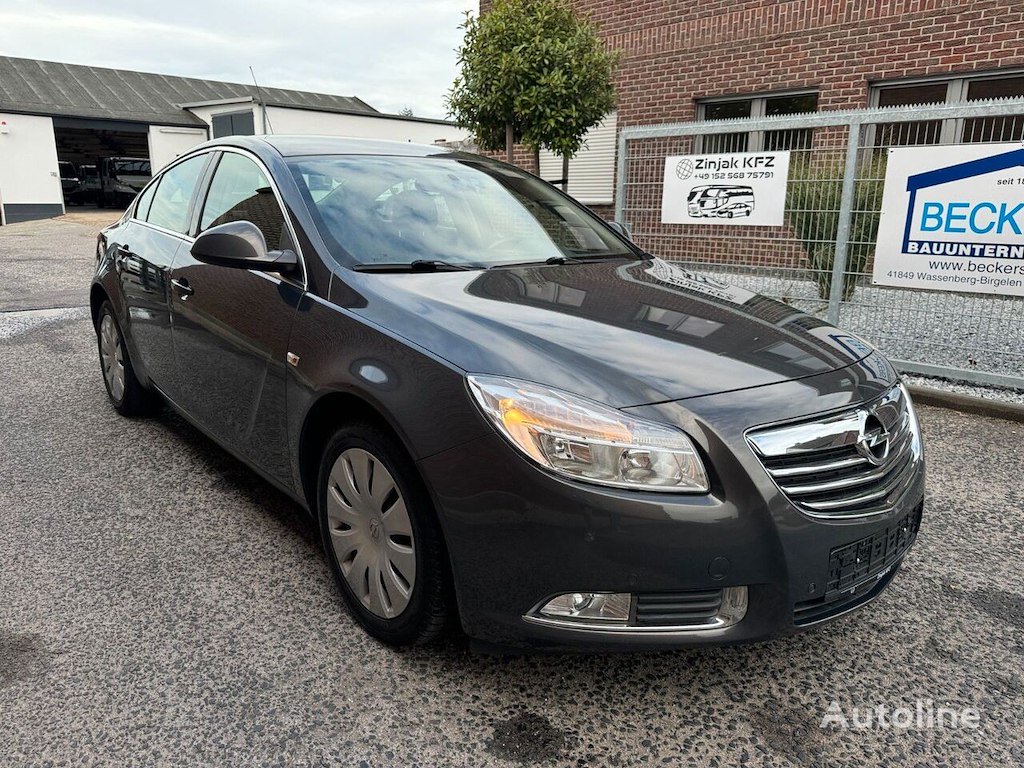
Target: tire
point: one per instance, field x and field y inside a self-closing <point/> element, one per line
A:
<point x="391" y="568"/>
<point x="124" y="389"/>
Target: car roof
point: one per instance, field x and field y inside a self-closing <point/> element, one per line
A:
<point x="297" y="145"/>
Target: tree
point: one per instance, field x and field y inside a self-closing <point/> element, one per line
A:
<point x="532" y="72"/>
<point x="405" y="111"/>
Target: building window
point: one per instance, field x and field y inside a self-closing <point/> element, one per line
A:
<point x="757" y="106"/>
<point x="234" y="124"/>
<point x="956" y="90"/>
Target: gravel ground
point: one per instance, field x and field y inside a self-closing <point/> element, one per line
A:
<point x="162" y="605"/>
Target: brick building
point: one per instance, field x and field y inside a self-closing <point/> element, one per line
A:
<point x="715" y="59"/>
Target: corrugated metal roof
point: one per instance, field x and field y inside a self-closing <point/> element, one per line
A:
<point x="74" y="90"/>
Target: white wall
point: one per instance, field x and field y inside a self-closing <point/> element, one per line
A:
<point x="28" y="161"/>
<point x="168" y="142"/>
<point x="592" y="171"/>
<point x="302" y="121"/>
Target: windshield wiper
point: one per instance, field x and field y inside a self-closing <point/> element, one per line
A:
<point x="418" y="265"/>
<point x="582" y="255"/>
<point x="582" y="258"/>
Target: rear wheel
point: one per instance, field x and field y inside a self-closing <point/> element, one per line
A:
<point x="126" y="392"/>
<point x="381" y="537"/>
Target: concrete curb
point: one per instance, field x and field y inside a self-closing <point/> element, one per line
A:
<point x="998" y="409"/>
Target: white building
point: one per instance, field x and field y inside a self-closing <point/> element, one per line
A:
<point x="51" y="112"/>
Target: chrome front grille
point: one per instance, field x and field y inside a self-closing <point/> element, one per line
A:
<point x="856" y="463"/>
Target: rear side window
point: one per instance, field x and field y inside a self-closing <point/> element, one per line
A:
<point x="240" y="191"/>
<point x="169" y="208"/>
<point x="145" y="199"/>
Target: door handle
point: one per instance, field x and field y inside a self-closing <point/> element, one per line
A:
<point x="121" y="254"/>
<point x="184" y="289"/>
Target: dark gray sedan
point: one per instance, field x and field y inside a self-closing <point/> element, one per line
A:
<point x="503" y="414"/>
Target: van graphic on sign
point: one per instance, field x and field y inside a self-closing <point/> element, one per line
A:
<point x="713" y="201"/>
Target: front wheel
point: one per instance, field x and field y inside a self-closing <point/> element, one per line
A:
<point x="381" y="537"/>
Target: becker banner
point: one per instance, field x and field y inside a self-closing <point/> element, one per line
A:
<point x="953" y="219"/>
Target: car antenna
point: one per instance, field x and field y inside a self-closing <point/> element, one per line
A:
<point x="263" y="105"/>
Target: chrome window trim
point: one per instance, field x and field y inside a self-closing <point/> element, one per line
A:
<point x="164" y="230"/>
<point x="189" y="238"/>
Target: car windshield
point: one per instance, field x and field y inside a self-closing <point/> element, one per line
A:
<point x="132" y="167"/>
<point x="456" y="209"/>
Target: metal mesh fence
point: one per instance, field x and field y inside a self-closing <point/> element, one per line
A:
<point x="967" y="336"/>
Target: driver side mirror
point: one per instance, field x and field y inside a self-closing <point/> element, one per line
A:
<point x="240" y="244"/>
<point x="622" y="229"/>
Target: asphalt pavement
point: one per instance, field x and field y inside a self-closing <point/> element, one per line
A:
<point x="160" y="604"/>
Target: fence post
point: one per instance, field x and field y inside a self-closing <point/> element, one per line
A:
<point x="835" y="295"/>
<point x="620" y="178"/>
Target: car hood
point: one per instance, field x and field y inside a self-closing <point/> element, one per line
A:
<point x="621" y="332"/>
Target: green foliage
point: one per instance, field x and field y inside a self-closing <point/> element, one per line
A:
<point x="534" y="65"/>
<point x="812" y="209"/>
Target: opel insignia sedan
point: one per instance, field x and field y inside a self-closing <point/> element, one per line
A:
<point x="503" y="414"/>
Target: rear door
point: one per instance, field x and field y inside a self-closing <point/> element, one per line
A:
<point x="145" y="247"/>
<point x="231" y="325"/>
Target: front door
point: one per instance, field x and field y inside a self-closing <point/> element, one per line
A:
<point x="231" y="326"/>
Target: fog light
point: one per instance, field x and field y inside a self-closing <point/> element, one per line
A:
<point x="734" y="605"/>
<point x="604" y="607"/>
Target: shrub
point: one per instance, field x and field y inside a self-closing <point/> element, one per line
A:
<point x="812" y="209"/>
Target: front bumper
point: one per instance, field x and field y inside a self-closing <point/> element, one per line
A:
<point x="518" y="536"/>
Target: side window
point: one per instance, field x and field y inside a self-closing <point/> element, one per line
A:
<point x="142" y="207"/>
<point x="169" y="208"/>
<point x="240" y="191"/>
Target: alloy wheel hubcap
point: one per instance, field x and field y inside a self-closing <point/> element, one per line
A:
<point x="371" y="533"/>
<point x="112" y="357"/>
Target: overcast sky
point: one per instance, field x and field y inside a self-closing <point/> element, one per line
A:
<point x="390" y="53"/>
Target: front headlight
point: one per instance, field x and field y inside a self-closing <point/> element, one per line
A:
<point x="589" y="441"/>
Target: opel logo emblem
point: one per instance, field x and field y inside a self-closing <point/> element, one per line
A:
<point x="873" y="441"/>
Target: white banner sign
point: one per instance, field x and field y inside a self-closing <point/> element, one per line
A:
<point x="742" y="188"/>
<point x="953" y="219"/>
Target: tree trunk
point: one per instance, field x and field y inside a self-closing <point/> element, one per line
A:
<point x="565" y="173"/>
<point x="536" y="160"/>
<point x="508" y="142"/>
